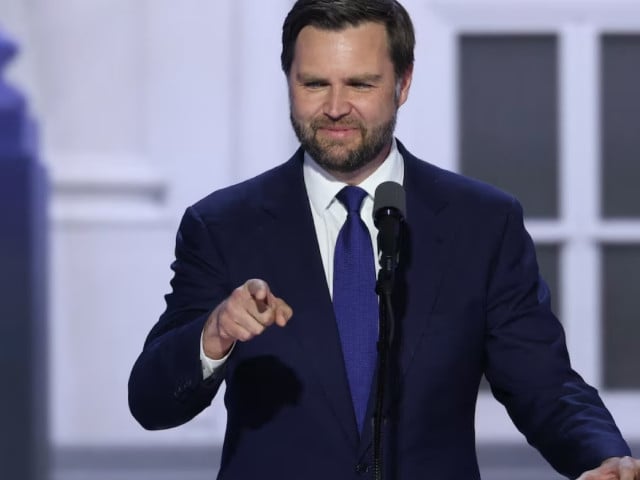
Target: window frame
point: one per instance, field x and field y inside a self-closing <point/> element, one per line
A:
<point x="580" y="230"/>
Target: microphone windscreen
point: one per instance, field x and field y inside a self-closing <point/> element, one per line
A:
<point x="390" y="195"/>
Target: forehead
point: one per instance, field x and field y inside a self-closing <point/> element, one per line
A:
<point x="364" y="44"/>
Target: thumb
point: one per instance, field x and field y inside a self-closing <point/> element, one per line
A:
<point x="258" y="289"/>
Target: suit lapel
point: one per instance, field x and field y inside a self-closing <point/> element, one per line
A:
<point x="427" y="243"/>
<point x="298" y="273"/>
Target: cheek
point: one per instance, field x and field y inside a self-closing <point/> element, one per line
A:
<point x="302" y="106"/>
<point x="374" y="114"/>
<point x="377" y="108"/>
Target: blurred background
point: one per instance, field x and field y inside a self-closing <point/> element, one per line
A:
<point x="135" y="110"/>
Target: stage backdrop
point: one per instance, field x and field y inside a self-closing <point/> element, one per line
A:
<point x="147" y="106"/>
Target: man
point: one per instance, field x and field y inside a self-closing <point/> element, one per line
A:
<point x="257" y="298"/>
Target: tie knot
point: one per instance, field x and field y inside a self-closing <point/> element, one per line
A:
<point x="351" y="197"/>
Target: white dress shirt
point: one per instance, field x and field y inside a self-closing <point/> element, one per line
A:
<point x="329" y="215"/>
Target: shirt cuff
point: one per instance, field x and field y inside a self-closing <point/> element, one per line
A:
<point x="209" y="365"/>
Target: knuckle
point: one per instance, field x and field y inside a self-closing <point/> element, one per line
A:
<point x="238" y="333"/>
<point x="224" y="332"/>
<point x="244" y="336"/>
<point x="224" y="318"/>
<point x="267" y="320"/>
<point x="239" y="294"/>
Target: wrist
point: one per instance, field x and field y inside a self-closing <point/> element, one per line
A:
<point x="216" y="348"/>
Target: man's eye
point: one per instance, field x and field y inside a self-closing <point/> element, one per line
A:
<point x="361" y="85"/>
<point x="314" y="84"/>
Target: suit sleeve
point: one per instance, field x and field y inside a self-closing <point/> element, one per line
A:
<point x="528" y="365"/>
<point x="166" y="386"/>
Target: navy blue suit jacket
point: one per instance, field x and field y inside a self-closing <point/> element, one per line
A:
<point x="469" y="301"/>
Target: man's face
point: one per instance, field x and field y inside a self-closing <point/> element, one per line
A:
<point x="344" y="97"/>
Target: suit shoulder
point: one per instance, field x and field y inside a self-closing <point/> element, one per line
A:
<point x="453" y="188"/>
<point x="472" y="190"/>
<point x="240" y="198"/>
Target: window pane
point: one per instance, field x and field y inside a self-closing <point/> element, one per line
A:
<point x="508" y="116"/>
<point x="620" y="315"/>
<point x="621" y="125"/>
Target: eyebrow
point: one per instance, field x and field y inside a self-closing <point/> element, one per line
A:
<point x="364" y="78"/>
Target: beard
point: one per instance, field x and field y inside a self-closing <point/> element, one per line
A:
<point x="333" y="155"/>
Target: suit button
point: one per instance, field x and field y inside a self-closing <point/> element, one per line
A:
<point x="362" y="468"/>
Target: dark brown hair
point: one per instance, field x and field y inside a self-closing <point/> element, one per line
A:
<point x="339" y="14"/>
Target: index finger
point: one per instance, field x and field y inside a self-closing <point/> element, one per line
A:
<point x="283" y="312"/>
<point x="628" y="469"/>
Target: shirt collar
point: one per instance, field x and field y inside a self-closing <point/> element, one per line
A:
<point x="322" y="187"/>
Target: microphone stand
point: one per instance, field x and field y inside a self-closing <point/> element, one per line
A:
<point x="388" y="214"/>
<point x="384" y="289"/>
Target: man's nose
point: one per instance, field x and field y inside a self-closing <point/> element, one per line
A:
<point x="337" y="104"/>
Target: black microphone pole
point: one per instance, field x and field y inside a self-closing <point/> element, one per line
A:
<point x="388" y="215"/>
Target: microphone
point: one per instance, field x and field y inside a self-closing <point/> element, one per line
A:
<point x="389" y="210"/>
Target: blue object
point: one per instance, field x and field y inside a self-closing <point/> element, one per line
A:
<point x="24" y="442"/>
<point x="354" y="300"/>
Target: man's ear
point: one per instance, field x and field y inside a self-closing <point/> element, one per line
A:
<point x="403" y="85"/>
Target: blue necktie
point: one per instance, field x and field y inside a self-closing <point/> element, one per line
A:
<point x="355" y="301"/>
